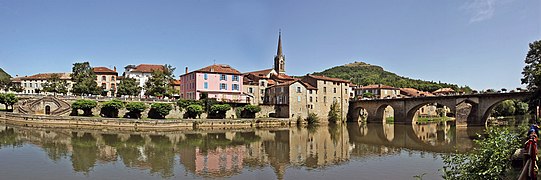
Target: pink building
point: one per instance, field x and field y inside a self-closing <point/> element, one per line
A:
<point x="219" y="81"/>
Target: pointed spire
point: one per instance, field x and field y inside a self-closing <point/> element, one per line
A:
<point x="279" y="53"/>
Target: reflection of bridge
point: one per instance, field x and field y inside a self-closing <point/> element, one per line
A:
<point x="405" y="108"/>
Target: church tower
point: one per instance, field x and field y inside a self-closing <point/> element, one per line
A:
<point x="280" y="59"/>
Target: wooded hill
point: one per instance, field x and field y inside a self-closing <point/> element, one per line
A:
<point x="361" y="73"/>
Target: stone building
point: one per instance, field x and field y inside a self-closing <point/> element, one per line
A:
<point x="107" y="80"/>
<point x="378" y="91"/>
<point x="141" y="73"/>
<point x="326" y="92"/>
<point x="292" y="99"/>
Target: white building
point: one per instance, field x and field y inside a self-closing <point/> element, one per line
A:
<point x="141" y="73"/>
<point x="34" y="84"/>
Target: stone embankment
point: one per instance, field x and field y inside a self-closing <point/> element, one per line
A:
<point x="138" y="124"/>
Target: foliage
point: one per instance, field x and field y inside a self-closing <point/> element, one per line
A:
<point x="85" y="105"/>
<point x="249" y="111"/>
<point x="84" y="79"/>
<point x="312" y="118"/>
<point x="159" y="83"/>
<point x="183" y="103"/>
<point x="334" y="113"/>
<point x="510" y="108"/>
<point x="16" y="87"/>
<point x="532" y="71"/>
<point x="521" y="108"/>
<point x="8" y="99"/>
<point x="129" y="87"/>
<point x="368" y="95"/>
<point x="110" y="108"/>
<point x="489" y="160"/>
<point x="194" y="111"/>
<point x="135" y="109"/>
<point x="159" y="110"/>
<point x="365" y="74"/>
<point x="5" y="80"/>
<point x="219" y="110"/>
<point x="55" y="85"/>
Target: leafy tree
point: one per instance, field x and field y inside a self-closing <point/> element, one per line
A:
<point x="55" y="85"/>
<point x="16" y="87"/>
<point x="521" y="108"/>
<point x="368" y="95"/>
<point x="84" y="79"/>
<point x="159" y="110"/>
<point x="532" y="72"/>
<point x="312" y="118"/>
<point x="249" y="111"/>
<point x="505" y="108"/>
<point x="85" y="105"/>
<point x="128" y="86"/>
<point x="193" y="111"/>
<point x="135" y="109"/>
<point x="8" y="99"/>
<point x="334" y="112"/>
<point x="110" y="108"/>
<point x="184" y="103"/>
<point x="159" y="84"/>
<point x="219" y="110"/>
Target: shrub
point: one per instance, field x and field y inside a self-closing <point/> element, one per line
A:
<point x="110" y="108"/>
<point x="219" y="110"/>
<point x="193" y="111"/>
<point x="334" y="113"/>
<point x="159" y="110"/>
<point x="135" y="109"/>
<point x="249" y="111"/>
<point x="312" y="118"/>
<point x="183" y="103"/>
<point x="85" y="105"/>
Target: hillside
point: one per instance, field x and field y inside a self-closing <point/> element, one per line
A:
<point x="361" y="73"/>
<point x="3" y="74"/>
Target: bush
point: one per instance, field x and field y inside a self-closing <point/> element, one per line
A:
<point x="85" y="105"/>
<point x="135" y="109"/>
<point x="249" y="111"/>
<point x="334" y="113"/>
<point x="159" y="110"/>
<point x="193" y="111"/>
<point x="219" y="110"/>
<point x="183" y="103"/>
<point x="110" y="108"/>
<point x="312" y="118"/>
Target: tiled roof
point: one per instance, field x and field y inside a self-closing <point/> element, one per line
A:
<point x="377" y="86"/>
<point x="414" y="92"/>
<point x="175" y="82"/>
<point x="45" y="76"/>
<point x="444" y="90"/>
<point x="325" y="78"/>
<point x="260" y="73"/>
<point x="308" y="86"/>
<point x="103" y="70"/>
<point x="148" y="68"/>
<point x="283" y="77"/>
<point x="219" y="68"/>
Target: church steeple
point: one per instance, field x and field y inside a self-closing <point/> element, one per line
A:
<point x="280" y="59"/>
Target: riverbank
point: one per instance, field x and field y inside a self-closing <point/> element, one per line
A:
<point x="138" y="124"/>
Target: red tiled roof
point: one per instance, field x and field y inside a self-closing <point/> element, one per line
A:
<point x="45" y="76"/>
<point x="325" y="78"/>
<point x="175" y="82"/>
<point x="219" y="68"/>
<point x="103" y="70"/>
<point x="414" y="92"/>
<point x="377" y="86"/>
<point x="148" y="68"/>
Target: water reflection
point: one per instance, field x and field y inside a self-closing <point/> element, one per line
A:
<point x="225" y="153"/>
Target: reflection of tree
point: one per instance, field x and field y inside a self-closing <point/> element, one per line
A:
<point x="8" y="137"/>
<point x="334" y="131"/>
<point x="55" y="149"/>
<point x="160" y="155"/>
<point x="84" y="153"/>
<point x="129" y="152"/>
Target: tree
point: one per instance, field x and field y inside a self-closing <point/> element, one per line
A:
<point x="219" y="110"/>
<point x="8" y="99"/>
<point x="532" y="72"/>
<point x="16" y="87"/>
<point x="521" y="108"/>
<point x="159" y="84"/>
<point x="110" y="108"/>
<point x="159" y="110"/>
<point x="84" y="79"/>
<point x="334" y="113"/>
<point x="55" y="85"/>
<point x="505" y="108"/>
<point x="85" y="105"/>
<point x="249" y="111"/>
<point x="193" y="111"/>
<point x="135" y="109"/>
<point x="129" y="87"/>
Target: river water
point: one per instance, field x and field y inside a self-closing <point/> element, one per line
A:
<point x="343" y="151"/>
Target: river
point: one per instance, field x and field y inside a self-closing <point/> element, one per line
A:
<point x="343" y="151"/>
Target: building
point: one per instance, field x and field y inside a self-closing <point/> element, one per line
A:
<point x="444" y="91"/>
<point x="107" y="80"/>
<point x="291" y="100"/>
<point x="378" y="91"/>
<point x="428" y="110"/>
<point x="34" y="84"/>
<point x="141" y="73"/>
<point x="218" y="81"/>
<point x="326" y="92"/>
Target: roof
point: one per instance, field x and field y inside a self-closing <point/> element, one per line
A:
<point x="325" y="78"/>
<point x="308" y="86"/>
<point x="45" y="76"/>
<point x="148" y="68"/>
<point x="175" y="82"/>
<point x="261" y="73"/>
<point x="219" y="68"/>
<point x="414" y="92"/>
<point x="377" y="86"/>
<point x="103" y="70"/>
<point x="443" y="90"/>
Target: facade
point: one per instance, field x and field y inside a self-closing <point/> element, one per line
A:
<point x="291" y="100"/>
<point x="378" y="91"/>
<point x="218" y="81"/>
<point x="328" y="91"/>
<point x="34" y="84"/>
<point x="141" y="73"/>
<point x="107" y="80"/>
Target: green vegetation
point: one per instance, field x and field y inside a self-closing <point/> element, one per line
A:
<point x="312" y="118"/>
<point x="219" y="110"/>
<point x="159" y="110"/>
<point x="55" y="85"/>
<point x="85" y="105"/>
<point x="184" y="103"/>
<point x="110" y="108"/>
<point x="135" y="109"/>
<point x="193" y="111"/>
<point x="488" y="160"/>
<point x="334" y="113"/>
<point x="84" y="79"/>
<point x="8" y="99"/>
<point x="159" y="84"/>
<point x="249" y="111"/>
<point x="510" y="108"/>
<point x="433" y="119"/>
<point x="532" y="72"/>
<point x="5" y="80"/>
<point x="129" y="87"/>
<point x="389" y="119"/>
<point x="365" y="74"/>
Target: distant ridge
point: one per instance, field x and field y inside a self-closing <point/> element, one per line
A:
<point x="361" y="73"/>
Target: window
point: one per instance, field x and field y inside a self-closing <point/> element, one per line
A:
<point x="206" y="76"/>
<point x="30" y="84"/>
<point x="206" y="85"/>
<point x="103" y="78"/>
<point x="334" y="90"/>
<point x="223" y="86"/>
<point x="25" y="85"/>
<point x="235" y="78"/>
<point x="281" y="89"/>
<point x="324" y="99"/>
<point x="262" y="83"/>
<point x="235" y="87"/>
<point x="103" y="85"/>
<point x="262" y="91"/>
<point x="251" y="90"/>
<point x="324" y="89"/>
<point x="298" y="98"/>
<point x="298" y="89"/>
<point x="310" y="91"/>
<point x="310" y="98"/>
<point x="112" y="78"/>
<point x="223" y="77"/>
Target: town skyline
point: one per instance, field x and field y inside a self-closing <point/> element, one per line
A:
<point x="453" y="42"/>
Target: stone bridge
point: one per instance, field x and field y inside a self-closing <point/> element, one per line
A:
<point x="406" y="108"/>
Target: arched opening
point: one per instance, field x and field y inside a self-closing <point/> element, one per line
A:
<point x="385" y="114"/>
<point x="431" y="112"/>
<point x="47" y="110"/>
<point x="508" y="111"/>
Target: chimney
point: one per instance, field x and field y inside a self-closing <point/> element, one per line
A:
<point x="186" y="69"/>
<point x="114" y="68"/>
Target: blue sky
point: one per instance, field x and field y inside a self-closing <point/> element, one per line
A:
<point x="480" y="43"/>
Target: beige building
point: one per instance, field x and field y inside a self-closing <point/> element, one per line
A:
<point x="292" y="99"/>
<point x="378" y="91"/>
<point x="106" y="80"/>
<point x="328" y="90"/>
<point x="34" y="84"/>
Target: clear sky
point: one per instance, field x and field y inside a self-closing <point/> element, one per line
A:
<point x="480" y="43"/>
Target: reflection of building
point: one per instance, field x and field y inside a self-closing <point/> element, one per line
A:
<point x="220" y="161"/>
